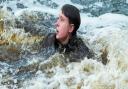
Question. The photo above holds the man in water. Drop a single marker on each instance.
(65, 39)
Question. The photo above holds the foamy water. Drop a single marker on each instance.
(106, 35)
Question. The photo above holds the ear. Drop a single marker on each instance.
(71, 28)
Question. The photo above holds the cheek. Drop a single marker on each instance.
(63, 31)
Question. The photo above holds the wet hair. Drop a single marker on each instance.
(73, 14)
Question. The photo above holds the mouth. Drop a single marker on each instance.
(57, 31)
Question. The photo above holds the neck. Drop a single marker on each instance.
(65, 41)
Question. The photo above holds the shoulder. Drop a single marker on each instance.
(50, 36)
(49, 40)
(83, 48)
(80, 51)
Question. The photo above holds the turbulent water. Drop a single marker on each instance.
(104, 29)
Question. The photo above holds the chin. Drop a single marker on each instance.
(57, 37)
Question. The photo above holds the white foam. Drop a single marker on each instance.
(108, 31)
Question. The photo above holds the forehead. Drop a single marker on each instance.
(61, 15)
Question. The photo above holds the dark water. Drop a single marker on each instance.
(20, 60)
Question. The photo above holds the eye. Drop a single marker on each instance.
(61, 18)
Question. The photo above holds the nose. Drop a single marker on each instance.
(56, 23)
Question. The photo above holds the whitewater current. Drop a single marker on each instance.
(25, 23)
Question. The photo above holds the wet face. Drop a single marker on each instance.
(63, 27)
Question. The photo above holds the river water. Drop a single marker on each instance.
(104, 29)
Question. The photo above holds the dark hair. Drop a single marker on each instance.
(73, 14)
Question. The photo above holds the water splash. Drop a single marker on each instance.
(22, 29)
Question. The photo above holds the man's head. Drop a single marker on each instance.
(68, 22)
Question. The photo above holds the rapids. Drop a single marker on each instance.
(104, 29)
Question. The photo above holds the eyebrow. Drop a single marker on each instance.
(61, 16)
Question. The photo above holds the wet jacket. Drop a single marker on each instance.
(75, 50)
